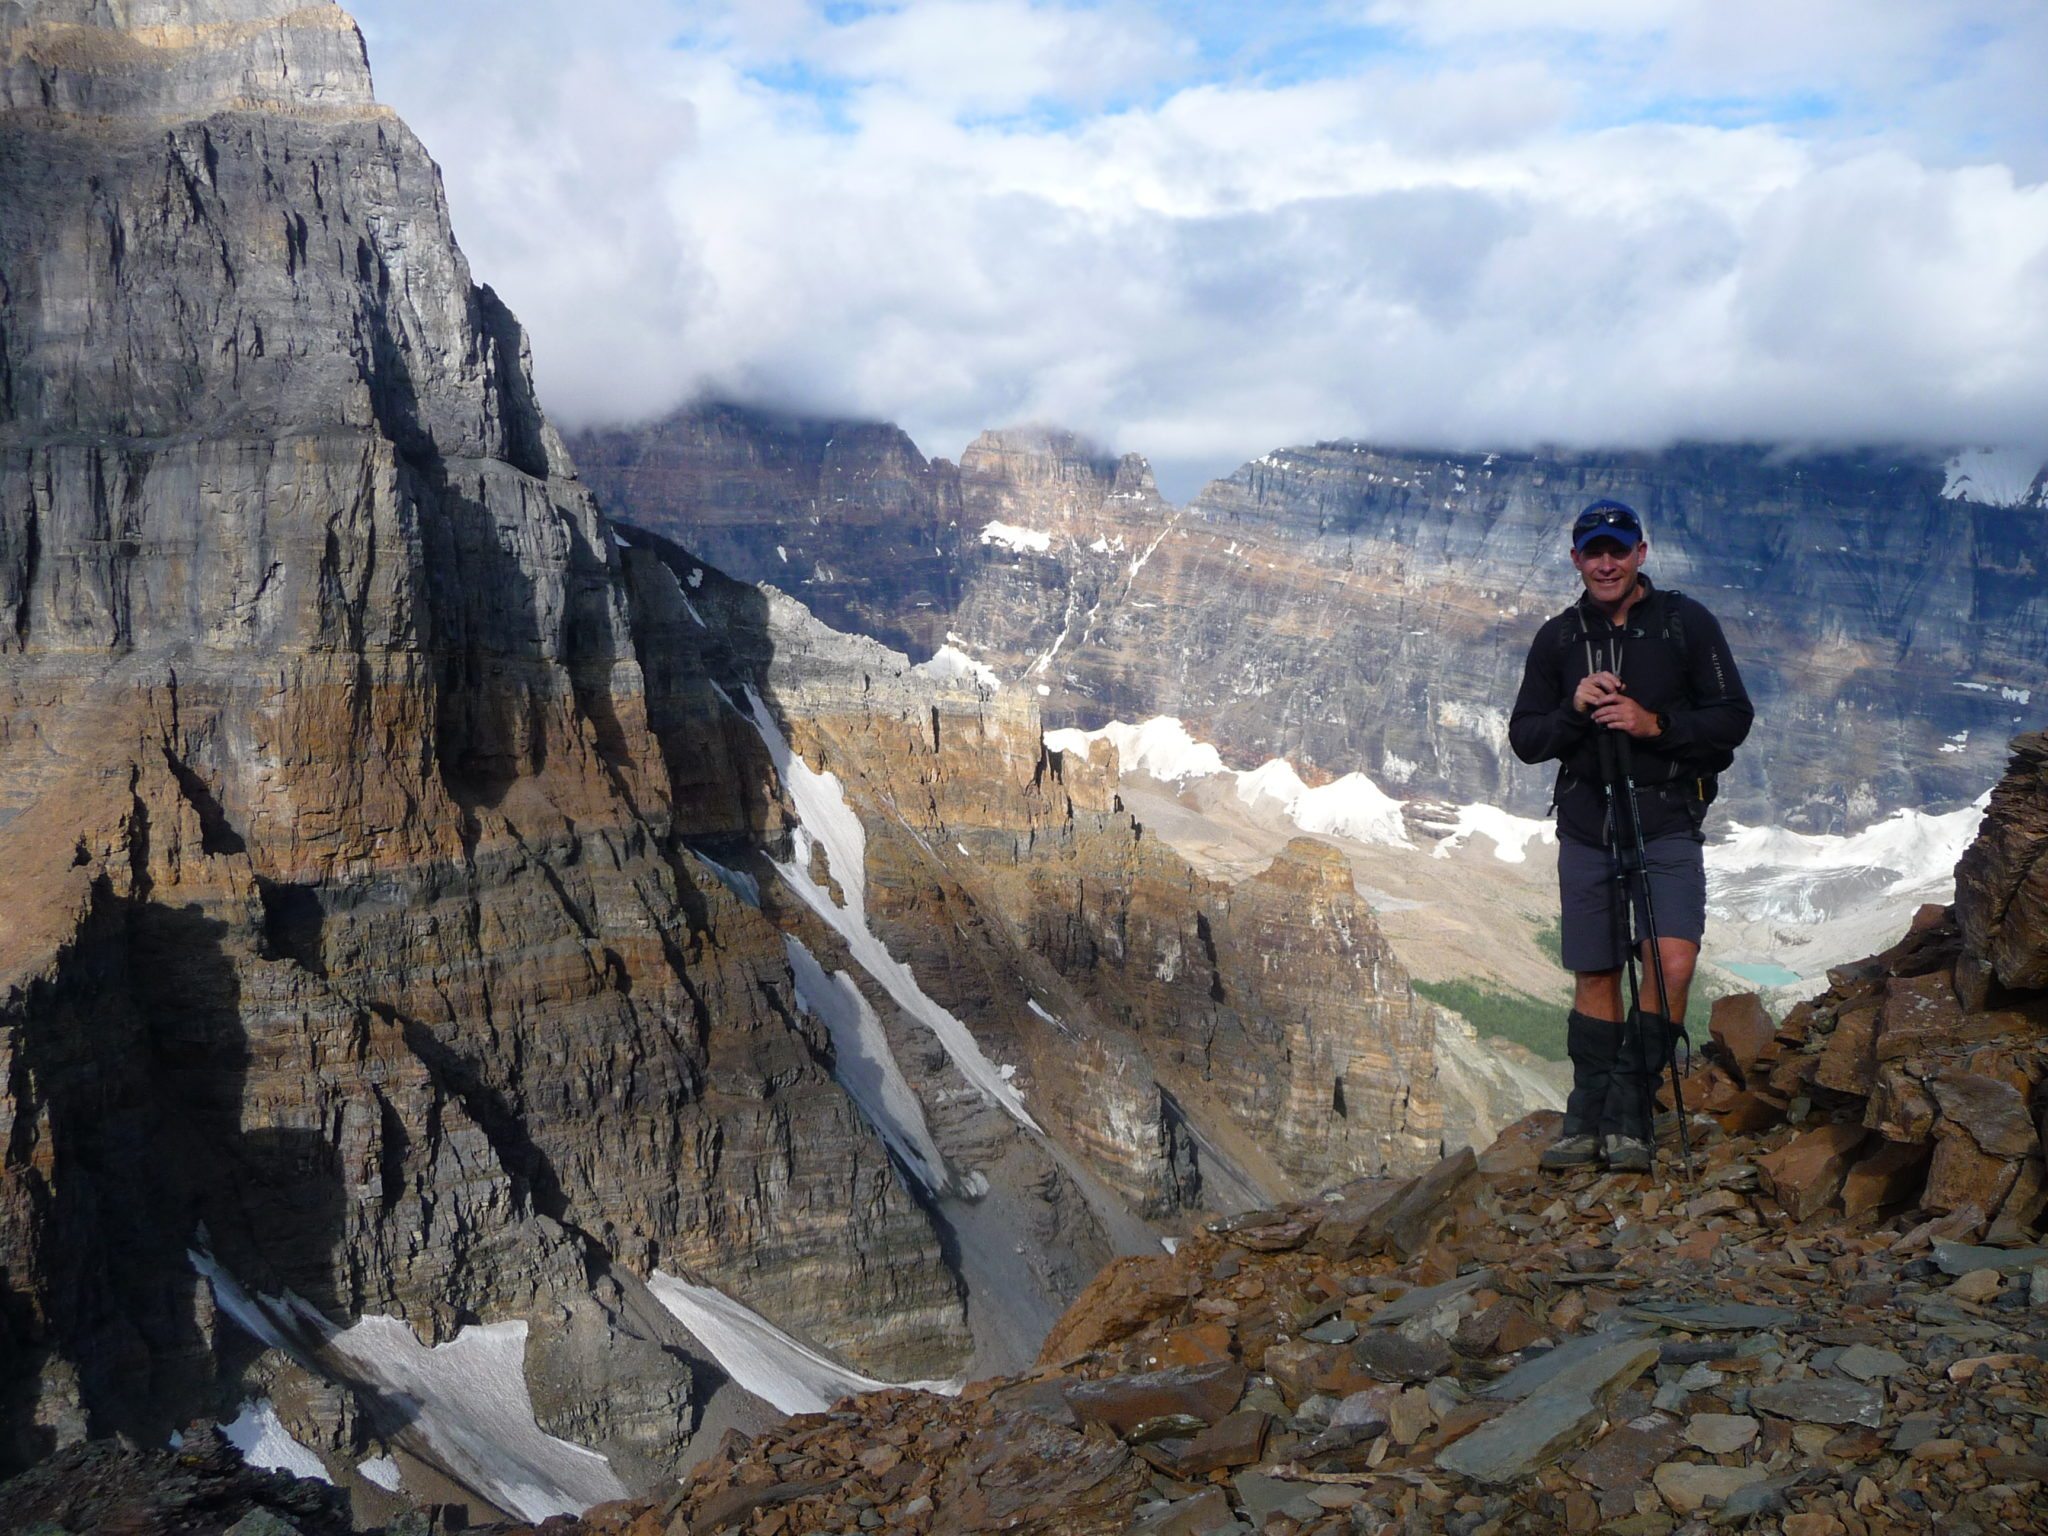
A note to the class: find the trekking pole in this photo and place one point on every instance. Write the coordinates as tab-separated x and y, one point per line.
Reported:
1626	768
1608	659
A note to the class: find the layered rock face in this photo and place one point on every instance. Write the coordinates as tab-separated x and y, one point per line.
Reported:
416	879
819	508
1349	607
1150	1008
347	934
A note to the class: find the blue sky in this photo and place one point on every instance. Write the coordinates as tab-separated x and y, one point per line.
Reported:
1204	230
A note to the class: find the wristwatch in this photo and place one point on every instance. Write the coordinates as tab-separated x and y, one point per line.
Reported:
1663	723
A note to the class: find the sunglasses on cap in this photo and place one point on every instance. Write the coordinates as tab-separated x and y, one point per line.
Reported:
1607	520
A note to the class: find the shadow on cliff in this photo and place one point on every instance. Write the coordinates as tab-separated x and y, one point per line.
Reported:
128	1148
701	638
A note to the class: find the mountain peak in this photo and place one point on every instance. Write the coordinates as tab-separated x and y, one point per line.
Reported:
181	60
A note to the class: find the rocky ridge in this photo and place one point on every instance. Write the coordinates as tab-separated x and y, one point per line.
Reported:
1834	1321
1358	608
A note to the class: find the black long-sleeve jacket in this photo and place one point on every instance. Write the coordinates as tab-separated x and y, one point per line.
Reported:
1697	689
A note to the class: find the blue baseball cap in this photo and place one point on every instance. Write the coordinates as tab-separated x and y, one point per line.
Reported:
1607	520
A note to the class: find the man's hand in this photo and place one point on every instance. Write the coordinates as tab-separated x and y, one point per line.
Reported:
1598	689
1621	713
1604	697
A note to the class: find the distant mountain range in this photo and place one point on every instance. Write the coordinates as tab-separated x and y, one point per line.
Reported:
1351	608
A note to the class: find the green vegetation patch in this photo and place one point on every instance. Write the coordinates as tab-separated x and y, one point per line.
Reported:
1550	939
1506	1015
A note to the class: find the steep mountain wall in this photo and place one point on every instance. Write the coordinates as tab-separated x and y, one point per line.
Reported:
415	880
345	931
1352	608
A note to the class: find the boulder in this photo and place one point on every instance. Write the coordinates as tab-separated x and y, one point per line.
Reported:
1808	1171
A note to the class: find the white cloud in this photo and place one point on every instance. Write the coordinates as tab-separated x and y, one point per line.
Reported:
959	213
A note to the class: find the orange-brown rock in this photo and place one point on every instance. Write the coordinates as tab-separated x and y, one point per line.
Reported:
1892	1174
1128	1294
1740	1029
1963	1177
1807	1172
1991	1110
1849	1064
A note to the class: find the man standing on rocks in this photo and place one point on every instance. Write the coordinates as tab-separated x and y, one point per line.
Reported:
1654	665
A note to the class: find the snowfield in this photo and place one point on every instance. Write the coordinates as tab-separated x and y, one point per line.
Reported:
1352	807
466	1400
866	1067
950	664
761	1357
1770	874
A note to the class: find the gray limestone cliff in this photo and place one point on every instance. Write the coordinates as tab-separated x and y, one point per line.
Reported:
347	933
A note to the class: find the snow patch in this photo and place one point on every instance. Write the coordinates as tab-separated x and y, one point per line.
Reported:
1160	747
382	1471
471	1404
696	576
467	1398
825	820
1485	721
761	1357
264	1442
782	554
1511	835
1352	806
618	541
1015	539
952	665
866	1067
692	607
1992	477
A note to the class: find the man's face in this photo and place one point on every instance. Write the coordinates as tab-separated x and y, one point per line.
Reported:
1608	570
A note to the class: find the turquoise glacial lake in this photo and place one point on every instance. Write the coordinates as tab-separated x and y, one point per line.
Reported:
1763	973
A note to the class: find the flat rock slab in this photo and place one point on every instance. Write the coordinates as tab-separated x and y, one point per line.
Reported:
1266	1232
1720	1433
1528	1437
1208	1510
1260	1496
1990	1109
1425	1299
1235	1440
1714	1316
1820	1402
1690	1486
1963	1258
1624	1457
1866	1363
1390	1357
1205	1392
1539	1374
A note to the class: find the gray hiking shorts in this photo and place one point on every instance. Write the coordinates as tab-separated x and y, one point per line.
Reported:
1590	928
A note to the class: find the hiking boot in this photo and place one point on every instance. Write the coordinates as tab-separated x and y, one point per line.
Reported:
1625	1154
1570	1152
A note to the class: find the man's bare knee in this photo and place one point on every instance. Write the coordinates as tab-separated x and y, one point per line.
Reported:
1680	958
1597	994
